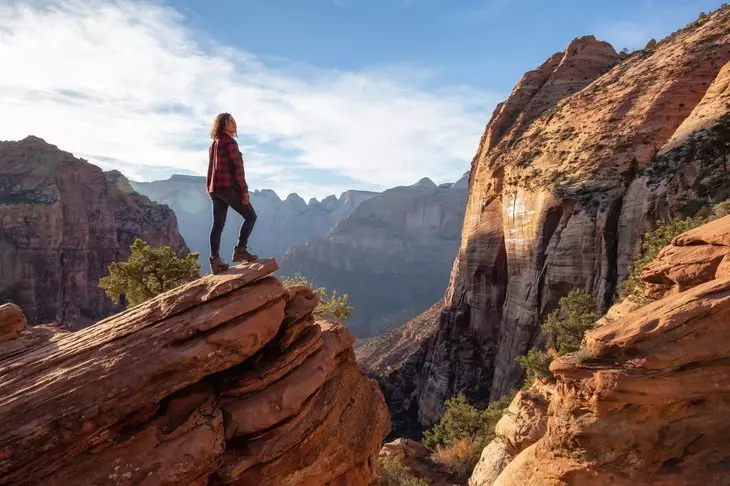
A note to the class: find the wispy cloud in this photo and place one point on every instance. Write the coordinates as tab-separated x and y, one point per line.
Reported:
126	80
629	35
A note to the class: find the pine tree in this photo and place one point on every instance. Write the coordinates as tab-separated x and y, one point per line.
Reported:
148	272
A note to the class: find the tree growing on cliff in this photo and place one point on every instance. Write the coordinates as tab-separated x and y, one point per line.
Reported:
331	304
148	272
563	329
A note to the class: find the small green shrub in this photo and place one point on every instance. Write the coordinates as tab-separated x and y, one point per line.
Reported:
565	326
564	329
331	304
461	421
654	242
463	432
536	365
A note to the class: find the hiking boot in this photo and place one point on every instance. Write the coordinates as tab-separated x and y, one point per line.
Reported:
241	254
217	265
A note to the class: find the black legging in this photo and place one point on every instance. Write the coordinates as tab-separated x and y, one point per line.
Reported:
221	202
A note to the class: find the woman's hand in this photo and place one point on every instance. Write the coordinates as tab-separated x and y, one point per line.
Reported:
246	198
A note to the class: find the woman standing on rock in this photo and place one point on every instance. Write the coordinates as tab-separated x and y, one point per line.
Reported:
227	187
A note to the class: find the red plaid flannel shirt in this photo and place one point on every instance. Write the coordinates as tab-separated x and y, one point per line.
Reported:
225	166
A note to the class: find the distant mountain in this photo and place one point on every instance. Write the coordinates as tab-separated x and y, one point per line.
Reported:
280	224
392	255
62	222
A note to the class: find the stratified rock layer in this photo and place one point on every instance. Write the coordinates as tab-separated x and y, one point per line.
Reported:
226	380
62	222
573	169
645	401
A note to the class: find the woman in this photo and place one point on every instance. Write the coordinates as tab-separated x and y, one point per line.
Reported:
227	187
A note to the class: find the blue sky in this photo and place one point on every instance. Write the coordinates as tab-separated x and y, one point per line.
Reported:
329	94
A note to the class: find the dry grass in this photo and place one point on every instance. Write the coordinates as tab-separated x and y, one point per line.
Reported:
460	457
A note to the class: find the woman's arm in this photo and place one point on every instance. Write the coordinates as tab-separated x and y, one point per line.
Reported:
236	158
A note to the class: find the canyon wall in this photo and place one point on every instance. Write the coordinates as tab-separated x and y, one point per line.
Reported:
645	399
586	154
62	221
392	255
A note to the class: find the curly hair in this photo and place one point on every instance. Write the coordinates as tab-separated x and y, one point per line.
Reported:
219	125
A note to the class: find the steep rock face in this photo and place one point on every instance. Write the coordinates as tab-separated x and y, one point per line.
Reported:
562	200
391	255
280	224
226	380
62	221
646	400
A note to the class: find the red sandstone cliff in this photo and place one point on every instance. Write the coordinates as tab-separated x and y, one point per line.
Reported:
573	169
645	400
225	380
62	221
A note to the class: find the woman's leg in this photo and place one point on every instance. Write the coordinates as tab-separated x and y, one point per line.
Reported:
249	220
220	209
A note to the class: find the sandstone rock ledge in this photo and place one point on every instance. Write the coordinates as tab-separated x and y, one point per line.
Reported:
226	380
647	400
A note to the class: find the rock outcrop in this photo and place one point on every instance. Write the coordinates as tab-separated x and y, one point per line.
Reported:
523	424
646	399
571	172
225	380
280	224
415	458
62	221
392	255
695	257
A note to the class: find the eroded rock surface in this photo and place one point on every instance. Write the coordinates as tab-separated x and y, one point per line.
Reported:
646	399
226	380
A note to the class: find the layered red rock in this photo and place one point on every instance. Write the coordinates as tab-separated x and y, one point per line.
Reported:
693	258
62	222
644	401
226	380
559	202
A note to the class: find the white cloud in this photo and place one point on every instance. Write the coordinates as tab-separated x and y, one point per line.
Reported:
127	81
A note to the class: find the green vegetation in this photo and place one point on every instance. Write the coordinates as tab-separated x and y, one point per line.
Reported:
564	329
463	431
565	326
148	272
331	304
654	242
392	472
536	365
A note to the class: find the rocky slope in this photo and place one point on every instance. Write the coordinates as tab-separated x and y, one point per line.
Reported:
573	169
645	401
226	380
62	221
392	255
280	224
